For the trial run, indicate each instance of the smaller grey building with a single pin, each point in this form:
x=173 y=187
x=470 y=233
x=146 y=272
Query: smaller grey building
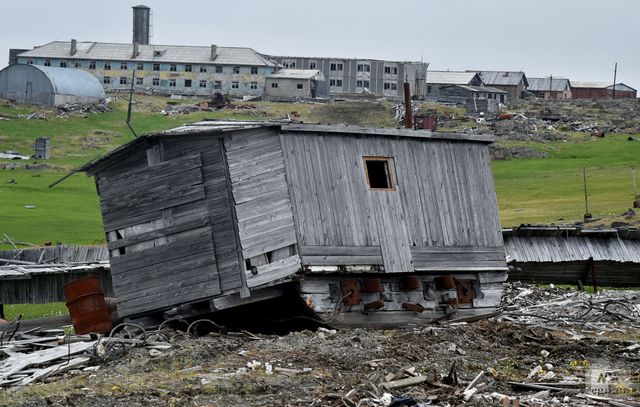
x=294 y=84
x=49 y=86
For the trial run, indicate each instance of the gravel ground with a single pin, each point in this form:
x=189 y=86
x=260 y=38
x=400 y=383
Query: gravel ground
x=349 y=368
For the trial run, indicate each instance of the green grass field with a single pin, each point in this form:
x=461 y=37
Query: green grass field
x=551 y=189
x=529 y=190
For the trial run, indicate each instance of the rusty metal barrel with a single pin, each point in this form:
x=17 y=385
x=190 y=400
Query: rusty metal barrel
x=87 y=306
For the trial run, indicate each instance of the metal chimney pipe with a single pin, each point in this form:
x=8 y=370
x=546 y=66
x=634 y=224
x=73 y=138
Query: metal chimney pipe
x=408 y=111
x=214 y=52
x=74 y=47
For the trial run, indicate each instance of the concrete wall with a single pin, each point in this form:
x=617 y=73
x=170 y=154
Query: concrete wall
x=287 y=88
x=350 y=76
x=247 y=83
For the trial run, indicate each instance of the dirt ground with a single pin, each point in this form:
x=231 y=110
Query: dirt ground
x=349 y=367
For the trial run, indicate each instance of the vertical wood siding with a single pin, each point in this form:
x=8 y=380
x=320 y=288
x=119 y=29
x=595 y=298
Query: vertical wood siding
x=444 y=194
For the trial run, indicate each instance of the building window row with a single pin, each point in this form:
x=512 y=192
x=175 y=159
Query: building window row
x=140 y=66
x=173 y=82
x=362 y=84
x=363 y=68
x=335 y=82
x=391 y=70
x=390 y=86
x=334 y=66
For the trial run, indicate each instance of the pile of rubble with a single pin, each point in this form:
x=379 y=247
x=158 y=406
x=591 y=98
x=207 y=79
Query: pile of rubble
x=540 y=351
x=73 y=109
x=607 y=311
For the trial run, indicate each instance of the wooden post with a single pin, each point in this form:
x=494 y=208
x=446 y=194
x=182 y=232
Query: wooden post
x=592 y=264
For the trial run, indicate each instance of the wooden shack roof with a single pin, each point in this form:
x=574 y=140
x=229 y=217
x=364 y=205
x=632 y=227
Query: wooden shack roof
x=221 y=126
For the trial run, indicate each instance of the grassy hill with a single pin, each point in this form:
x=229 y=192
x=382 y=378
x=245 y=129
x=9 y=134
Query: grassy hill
x=529 y=190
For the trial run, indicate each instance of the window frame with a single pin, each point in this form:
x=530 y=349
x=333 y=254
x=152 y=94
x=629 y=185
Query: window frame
x=173 y=68
x=156 y=67
x=188 y=68
x=140 y=66
x=155 y=81
x=254 y=70
x=391 y=176
x=202 y=83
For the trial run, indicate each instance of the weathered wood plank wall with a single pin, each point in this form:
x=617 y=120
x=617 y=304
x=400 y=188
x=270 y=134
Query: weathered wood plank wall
x=444 y=194
x=261 y=196
x=160 y=232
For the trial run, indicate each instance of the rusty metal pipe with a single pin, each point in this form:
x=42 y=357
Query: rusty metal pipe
x=408 y=113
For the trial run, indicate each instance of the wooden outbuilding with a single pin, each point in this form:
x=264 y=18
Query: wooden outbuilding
x=384 y=223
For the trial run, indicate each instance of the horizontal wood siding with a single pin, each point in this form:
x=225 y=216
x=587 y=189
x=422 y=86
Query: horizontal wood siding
x=444 y=194
x=159 y=258
x=340 y=255
x=217 y=205
x=471 y=258
x=261 y=196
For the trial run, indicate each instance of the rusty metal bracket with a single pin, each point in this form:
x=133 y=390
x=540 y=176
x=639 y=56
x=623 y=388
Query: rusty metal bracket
x=465 y=291
x=409 y=283
x=413 y=307
x=371 y=285
x=375 y=305
x=350 y=291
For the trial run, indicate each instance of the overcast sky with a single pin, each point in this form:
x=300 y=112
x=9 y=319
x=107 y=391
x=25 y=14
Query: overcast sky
x=578 y=39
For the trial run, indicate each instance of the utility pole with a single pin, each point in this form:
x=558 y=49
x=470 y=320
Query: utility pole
x=615 y=71
x=587 y=215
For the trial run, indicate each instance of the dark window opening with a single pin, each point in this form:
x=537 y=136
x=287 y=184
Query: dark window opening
x=379 y=173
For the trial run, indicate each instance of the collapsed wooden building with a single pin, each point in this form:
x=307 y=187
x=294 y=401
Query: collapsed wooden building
x=561 y=254
x=366 y=226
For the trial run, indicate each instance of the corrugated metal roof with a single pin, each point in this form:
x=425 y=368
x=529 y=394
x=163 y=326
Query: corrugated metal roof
x=219 y=126
x=150 y=53
x=450 y=77
x=542 y=84
x=590 y=84
x=504 y=78
x=486 y=89
x=532 y=244
x=68 y=81
x=297 y=74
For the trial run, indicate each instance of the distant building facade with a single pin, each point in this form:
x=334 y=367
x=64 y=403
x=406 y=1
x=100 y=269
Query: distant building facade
x=550 y=88
x=188 y=70
x=295 y=84
x=602 y=90
x=515 y=83
x=356 y=76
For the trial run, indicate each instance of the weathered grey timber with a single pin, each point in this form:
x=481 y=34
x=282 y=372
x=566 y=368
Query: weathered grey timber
x=37 y=275
x=568 y=254
x=216 y=212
